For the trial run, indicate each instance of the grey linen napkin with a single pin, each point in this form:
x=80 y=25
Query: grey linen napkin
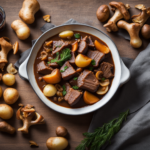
x=134 y=95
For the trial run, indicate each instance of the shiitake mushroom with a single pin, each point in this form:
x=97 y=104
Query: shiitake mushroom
x=103 y=13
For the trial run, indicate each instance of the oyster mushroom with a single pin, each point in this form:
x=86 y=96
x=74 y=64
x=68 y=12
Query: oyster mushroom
x=102 y=90
x=11 y=69
x=106 y=82
x=121 y=11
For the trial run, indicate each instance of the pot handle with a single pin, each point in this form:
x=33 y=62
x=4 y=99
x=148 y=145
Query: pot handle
x=125 y=73
x=23 y=69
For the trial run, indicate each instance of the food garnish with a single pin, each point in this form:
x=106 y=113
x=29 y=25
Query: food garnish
x=65 y=55
x=93 y=62
x=102 y=135
x=75 y=87
x=103 y=79
x=64 y=90
x=91 y=68
x=77 y=35
x=64 y=69
x=75 y=78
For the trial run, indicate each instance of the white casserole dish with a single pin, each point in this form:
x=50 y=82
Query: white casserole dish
x=121 y=75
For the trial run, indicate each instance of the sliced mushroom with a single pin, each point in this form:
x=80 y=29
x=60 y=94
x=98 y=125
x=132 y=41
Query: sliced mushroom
x=99 y=75
x=106 y=82
x=102 y=90
x=44 y=55
x=11 y=69
x=15 y=47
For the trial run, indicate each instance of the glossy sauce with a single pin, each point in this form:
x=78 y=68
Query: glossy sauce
x=42 y=83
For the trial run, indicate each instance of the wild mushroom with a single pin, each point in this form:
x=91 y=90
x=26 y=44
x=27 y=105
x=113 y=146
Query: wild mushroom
x=142 y=17
x=11 y=69
x=5 y=48
x=133 y=29
x=121 y=11
x=102 y=90
x=26 y=114
x=106 y=82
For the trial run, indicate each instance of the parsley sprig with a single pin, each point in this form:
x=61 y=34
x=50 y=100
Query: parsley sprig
x=93 y=62
x=102 y=135
x=75 y=78
x=64 y=90
x=64 y=69
x=65 y=55
x=77 y=35
x=75 y=87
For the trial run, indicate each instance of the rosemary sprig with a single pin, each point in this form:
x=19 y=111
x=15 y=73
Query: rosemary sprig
x=102 y=135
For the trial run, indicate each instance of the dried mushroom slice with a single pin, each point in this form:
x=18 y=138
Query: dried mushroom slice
x=47 y=18
x=11 y=69
x=15 y=47
x=32 y=143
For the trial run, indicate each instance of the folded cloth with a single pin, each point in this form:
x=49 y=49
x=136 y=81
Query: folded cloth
x=134 y=135
x=134 y=95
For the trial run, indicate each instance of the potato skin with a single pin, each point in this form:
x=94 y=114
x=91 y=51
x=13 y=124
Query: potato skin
x=21 y=29
x=103 y=13
x=6 y=112
x=10 y=95
x=8 y=79
x=56 y=143
x=28 y=10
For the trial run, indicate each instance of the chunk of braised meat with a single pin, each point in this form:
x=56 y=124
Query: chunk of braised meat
x=43 y=68
x=73 y=82
x=53 y=65
x=60 y=45
x=67 y=71
x=107 y=70
x=67 y=85
x=85 y=39
x=72 y=60
x=83 y=46
x=97 y=56
x=88 y=81
x=73 y=96
x=90 y=42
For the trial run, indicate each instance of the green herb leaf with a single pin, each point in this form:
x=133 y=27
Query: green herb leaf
x=93 y=62
x=77 y=35
x=75 y=87
x=64 y=90
x=64 y=69
x=102 y=135
x=103 y=79
x=65 y=55
x=51 y=49
x=75 y=78
x=48 y=62
x=91 y=68
x=58 y=46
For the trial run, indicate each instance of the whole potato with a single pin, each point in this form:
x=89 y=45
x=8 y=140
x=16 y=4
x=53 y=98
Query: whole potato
x=103 y=13
x=56 y=143
x=8 y=79
x=28 y=10
x=145 y=31
x=49 y=90
x=21 y=29
x=10 y=95
x=6 y=112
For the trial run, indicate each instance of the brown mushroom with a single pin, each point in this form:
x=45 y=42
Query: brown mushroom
x=11 y=69
x=121 y=11
x=5 y=48
x=142 y=17
x=145 y=31
x=133 y=29
x=26 y=114
x=61 y=131
x=103 y=13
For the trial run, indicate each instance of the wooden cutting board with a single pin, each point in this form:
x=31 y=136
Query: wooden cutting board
x=83 y=11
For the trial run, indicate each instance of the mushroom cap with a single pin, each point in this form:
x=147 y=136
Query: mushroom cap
x=122 y=8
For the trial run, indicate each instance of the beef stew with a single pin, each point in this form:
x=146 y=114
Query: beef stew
x=74 y=79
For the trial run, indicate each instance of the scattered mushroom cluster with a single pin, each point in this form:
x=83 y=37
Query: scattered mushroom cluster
x=121 y=12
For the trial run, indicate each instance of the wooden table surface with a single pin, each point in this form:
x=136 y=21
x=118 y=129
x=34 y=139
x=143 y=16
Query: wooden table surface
x=60 y=10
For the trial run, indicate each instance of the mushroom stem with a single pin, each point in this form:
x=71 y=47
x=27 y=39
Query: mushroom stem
x=111 y=24
x=133 y=29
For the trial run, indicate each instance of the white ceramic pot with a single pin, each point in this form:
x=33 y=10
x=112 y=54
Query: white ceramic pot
x=121 y=75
